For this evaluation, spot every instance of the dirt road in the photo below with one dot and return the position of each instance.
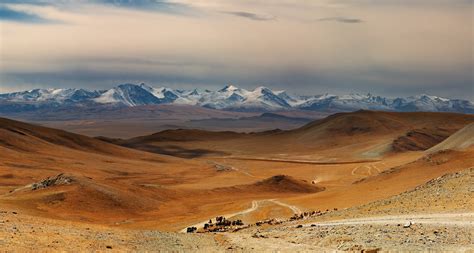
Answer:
(301, 161)
(445, 232)
(369, 168)
(454, 219)
(255, 205)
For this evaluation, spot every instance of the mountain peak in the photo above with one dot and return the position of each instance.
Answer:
(261, 99)
(145, 86)
(195, 92)
(229, 87)
(426, 96)
(262, 89)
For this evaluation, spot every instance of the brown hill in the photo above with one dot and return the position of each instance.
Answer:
(275, 185)
(58, 174)
(175, 139)
(381, 123)
(24, 137)
(356, 123)
(68, 195)
(355, 134)
(185, 135)
(284, 183)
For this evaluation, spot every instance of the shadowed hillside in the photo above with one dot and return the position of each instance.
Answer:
(356, 134)
(24, 137)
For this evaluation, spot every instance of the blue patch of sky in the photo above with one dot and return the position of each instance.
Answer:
(9, 14)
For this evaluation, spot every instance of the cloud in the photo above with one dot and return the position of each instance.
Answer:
(341, 20)
(250, 15)
(21, 16)
(109, 42)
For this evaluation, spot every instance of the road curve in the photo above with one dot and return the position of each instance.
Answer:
(254, 207)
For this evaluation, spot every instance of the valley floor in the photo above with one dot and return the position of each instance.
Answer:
(410, 223)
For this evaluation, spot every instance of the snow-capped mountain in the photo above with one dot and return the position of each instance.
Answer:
(346, 103)
(164, 95)
(233, 98)
(40, 95)
(127, 94)
(228, 98)
(352, 102)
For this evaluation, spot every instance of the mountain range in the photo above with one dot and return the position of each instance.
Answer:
(229, 98)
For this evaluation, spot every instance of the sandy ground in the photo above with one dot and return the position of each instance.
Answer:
(434, 235)
(410, 223)
(24, 233)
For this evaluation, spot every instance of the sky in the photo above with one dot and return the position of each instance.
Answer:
(389, 47)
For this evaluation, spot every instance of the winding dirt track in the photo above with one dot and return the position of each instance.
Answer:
(254, 207)
(295, 209)
(300, 161)
(369, 167)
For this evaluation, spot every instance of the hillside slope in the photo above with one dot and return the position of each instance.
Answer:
(24, 137)
(460, 140)
(343, 135)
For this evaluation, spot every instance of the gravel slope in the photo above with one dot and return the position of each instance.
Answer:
(23, 233)
(442, 213)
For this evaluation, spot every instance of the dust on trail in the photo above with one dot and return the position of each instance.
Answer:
(255, 205)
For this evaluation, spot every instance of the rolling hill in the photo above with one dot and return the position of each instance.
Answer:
(340, 136)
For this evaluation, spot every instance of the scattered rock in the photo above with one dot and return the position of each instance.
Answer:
(60, 179)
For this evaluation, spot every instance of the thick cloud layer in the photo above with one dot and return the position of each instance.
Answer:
(392, 47)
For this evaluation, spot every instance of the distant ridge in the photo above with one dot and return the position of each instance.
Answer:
(362, 134)
(231, 98)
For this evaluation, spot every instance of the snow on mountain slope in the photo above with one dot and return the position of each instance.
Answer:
(346, 103)
(291, 100)
(228, 98)
(432, 104)
(39, 95)
(128, 94)
(50, 96)
(165, 95)
(231, 97)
